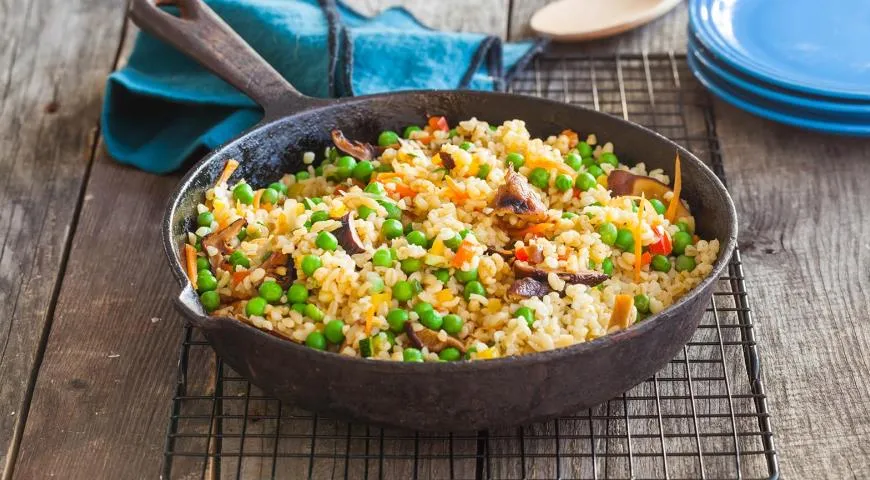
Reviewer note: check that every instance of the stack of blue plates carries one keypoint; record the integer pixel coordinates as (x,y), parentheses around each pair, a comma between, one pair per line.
(801,62)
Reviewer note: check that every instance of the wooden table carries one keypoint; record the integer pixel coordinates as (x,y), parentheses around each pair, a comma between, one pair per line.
(90,338)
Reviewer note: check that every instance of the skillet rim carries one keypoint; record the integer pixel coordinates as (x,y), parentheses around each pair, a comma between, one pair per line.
(726,249)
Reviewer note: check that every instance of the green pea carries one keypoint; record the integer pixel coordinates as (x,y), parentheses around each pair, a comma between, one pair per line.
(393,210)
(568,215)
(661,263)
(608,157)
(205,281)
(318,170)
(416,237)
(540,178)
(394,254)
(300,176)
(412,355)
(526,314)
(310,264)
(450,354)
(345,166)
(403,291)
(269,196)
(493,128)
(316,340)
(280,187)
(453,242)
(243,193)
(574,161)
(657,205)
(202,264)
(585,181)
(564,182)
(467,146)
(584,149)
(210,300)
(363,212)
(641,302)
(625,239)
(681,240)
(589,162)
(382,258)
(326,241)
(409,130)
(392,228)
(333,331)
(685,263)
(465,276)
(473,288)
(387,138)
(319,216)
(607,266)
(431,320)
(411,265)
(483,171)
(256,306)
(608,233)
(396,318)
(515,159)
(376,187)
(204,219)
(442,274)
(363,171)
(421,307)
(311,311)
(298,307)
(271,291)
(595,171)
(684,226)
(452,323)
(297,293)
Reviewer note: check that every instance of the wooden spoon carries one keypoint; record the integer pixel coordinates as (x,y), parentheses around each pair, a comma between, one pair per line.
(578,20)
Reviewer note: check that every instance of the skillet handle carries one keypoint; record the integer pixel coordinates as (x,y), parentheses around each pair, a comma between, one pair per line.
(202,35)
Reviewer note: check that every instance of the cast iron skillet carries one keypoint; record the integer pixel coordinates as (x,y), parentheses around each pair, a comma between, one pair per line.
(423,396)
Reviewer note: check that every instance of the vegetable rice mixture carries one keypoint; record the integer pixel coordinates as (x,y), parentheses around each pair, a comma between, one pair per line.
(444,244)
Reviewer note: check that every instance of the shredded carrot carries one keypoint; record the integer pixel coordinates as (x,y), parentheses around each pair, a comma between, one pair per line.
(536,229)
(190,263)
(678,185)
(573,138)
(646,258)
(377,300)
(459,195)
(438,123)
(621,311)
(463,254)
(637,243)
(403,190)
(239,276)
(550,165)
(229,168)
(257,196)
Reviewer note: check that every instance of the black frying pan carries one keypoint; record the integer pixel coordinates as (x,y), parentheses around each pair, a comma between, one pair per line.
(423,396)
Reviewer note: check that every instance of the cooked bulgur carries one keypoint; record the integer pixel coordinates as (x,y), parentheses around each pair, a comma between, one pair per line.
(468,243)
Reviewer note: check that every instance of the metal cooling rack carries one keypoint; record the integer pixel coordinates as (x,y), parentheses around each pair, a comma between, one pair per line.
(703,416)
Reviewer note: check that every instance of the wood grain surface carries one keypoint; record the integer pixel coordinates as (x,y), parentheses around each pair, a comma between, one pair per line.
(93,271)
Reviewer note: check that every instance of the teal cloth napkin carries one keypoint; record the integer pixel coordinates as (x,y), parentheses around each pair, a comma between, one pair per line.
(162,109)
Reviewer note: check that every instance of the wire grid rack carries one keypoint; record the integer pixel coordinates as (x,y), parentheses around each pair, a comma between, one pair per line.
(703,416)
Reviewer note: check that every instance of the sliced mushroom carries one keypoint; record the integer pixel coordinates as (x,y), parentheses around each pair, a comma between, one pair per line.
(535,254)
(429,339)
(358,150)
(588,278)
(507,254)
(527,287)
(622,182)
(447,160)
(273,267)
(517,197)
(347,236)
(220,241)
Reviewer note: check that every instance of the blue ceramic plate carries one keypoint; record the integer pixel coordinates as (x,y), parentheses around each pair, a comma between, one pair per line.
(846,110)
(813,46)
(771,111)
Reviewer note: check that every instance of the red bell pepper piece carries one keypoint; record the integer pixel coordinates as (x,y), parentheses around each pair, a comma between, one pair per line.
(663,246)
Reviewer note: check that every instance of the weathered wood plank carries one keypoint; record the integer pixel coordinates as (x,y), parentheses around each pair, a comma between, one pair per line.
(486,16)
(665,34)
(50,88)
(800,198)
